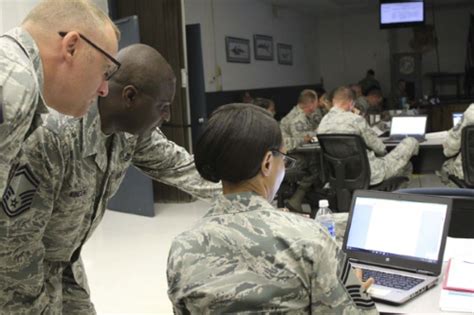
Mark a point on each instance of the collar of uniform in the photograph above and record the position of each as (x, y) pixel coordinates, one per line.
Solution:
(336, 110)
(238, 202)
(27, 43)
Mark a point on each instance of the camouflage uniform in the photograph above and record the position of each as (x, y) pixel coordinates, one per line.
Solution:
(382, 166)
(452, 146)
(21, 102)
(77, 170)
(247, 257)
(294, 126)
(362, 105)
(367, 83)
(318, 115)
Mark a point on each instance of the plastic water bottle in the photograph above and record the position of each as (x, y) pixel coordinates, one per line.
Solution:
(325, 218)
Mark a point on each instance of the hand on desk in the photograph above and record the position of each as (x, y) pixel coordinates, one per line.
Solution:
(307, 139)
(365, 285)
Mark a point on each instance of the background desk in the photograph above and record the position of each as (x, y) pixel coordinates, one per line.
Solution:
(428, 302)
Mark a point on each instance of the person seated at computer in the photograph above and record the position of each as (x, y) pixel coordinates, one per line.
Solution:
(383, 166)
(452, 147)
(266, 104)
(370, 103)
(245, 256)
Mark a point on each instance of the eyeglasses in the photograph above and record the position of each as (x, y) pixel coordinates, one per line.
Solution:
(287, 160)
(112, 69)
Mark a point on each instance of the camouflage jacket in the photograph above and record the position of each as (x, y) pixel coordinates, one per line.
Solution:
(247, 257)
(76, 170)
(294, 126)
(340, 121)
(452, 144)
(21, 84)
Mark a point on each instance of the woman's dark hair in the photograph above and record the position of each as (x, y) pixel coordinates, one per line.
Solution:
(234, 142)
(264, 103)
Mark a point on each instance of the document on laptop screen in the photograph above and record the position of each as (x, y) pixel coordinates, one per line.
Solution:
(408, 125)
(396, 227)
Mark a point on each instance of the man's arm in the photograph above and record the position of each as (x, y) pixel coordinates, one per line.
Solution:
(336, 289)
(24, 213)
(167, 162)
(452, 144)
(18, 98)
(371, 139)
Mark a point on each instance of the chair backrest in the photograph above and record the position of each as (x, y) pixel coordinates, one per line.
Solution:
(467, 153)
(462, 217)
(345, 161)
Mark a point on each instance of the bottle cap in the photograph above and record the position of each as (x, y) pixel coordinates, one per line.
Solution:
(323, 203)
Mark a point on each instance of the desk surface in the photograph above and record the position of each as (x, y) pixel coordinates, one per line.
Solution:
(428, 302)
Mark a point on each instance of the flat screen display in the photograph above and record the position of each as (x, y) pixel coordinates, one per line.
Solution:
(401, 13)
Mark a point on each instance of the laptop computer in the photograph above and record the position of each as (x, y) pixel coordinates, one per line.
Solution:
(399, 240)
(456, 118)
(407, 126)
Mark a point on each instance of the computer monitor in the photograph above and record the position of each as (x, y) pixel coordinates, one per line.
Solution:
(408, 125)
(401, 13)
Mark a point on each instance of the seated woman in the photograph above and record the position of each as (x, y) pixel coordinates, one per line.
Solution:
(245, 255)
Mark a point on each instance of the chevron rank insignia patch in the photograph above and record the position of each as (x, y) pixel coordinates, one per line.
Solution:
(22, 186)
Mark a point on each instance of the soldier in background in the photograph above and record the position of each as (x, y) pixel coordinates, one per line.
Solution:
(299, 127)
(245, 256)
(383, 166)
(369, 82)
(370, 103)
(78, 166)
(266, 104)
(53, 61)
(452, 147)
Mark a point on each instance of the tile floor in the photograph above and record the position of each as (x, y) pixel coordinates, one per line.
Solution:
(126, 257)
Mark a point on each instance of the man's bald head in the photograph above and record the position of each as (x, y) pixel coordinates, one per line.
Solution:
(343, 97)
(67, 15)
(141, 92)
(144, 67)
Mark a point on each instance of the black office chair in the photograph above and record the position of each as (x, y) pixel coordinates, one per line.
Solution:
(462, 217)
(347, 168)
(467, 154)
(289, 185)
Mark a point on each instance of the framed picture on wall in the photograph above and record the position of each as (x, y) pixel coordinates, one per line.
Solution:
(263, 47)
(237, 49)
(285, 54)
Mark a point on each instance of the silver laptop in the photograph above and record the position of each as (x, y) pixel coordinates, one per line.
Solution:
(399, 240)
(407, 126)
(457, 118)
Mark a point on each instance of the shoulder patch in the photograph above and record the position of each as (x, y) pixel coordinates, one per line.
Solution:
(22, 186)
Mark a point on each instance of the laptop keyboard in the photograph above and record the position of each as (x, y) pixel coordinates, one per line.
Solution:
(391, 280)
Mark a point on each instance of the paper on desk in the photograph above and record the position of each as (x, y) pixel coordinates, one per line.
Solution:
(455, 301)
(436, 135)
(377, 130)
(459, 248)
(460, 275)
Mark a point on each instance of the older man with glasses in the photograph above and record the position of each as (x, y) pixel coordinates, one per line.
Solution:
(41, 72)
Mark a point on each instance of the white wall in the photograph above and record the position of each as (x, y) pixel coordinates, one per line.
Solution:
(352, 43)
(452, 26)
(244, 18)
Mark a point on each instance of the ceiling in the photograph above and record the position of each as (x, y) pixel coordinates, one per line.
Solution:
(319, 7)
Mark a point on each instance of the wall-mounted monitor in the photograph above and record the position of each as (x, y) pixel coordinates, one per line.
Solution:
(401, 13)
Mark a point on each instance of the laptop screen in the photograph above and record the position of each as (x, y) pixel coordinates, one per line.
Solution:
(397, 228)
(457, 118)
(408, 125)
